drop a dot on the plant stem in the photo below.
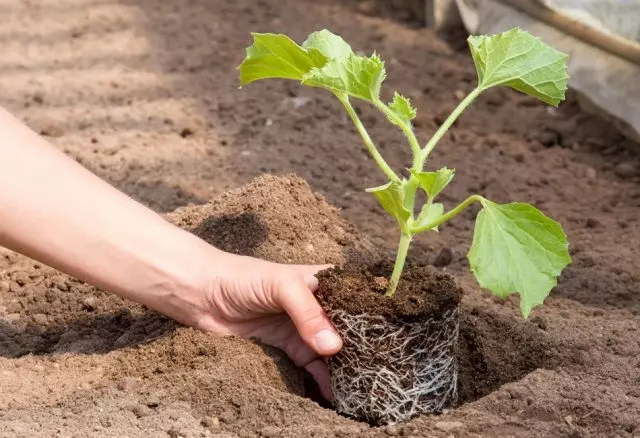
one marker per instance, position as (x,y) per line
(404,126)
(388,171)
(424,154)
(449,215)
(401,257)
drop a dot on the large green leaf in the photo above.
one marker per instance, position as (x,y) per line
(324,60)
(519,60)
(391,197)
(434,182)
(517,249)
(277,56)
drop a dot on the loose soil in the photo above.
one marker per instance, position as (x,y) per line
(145,94)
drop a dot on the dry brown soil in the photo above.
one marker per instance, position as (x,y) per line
(145,93)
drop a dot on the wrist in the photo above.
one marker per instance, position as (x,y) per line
(176,276)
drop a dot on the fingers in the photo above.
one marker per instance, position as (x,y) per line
(320,373)
(312,323)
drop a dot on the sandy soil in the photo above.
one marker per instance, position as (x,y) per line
(145,94)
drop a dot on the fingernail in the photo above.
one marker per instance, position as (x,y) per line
(327,340)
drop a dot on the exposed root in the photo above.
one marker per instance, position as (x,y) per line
(389,372)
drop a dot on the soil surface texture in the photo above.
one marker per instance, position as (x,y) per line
(423,292)
(145,94)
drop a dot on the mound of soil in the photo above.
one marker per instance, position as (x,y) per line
(277,219)
(145,93)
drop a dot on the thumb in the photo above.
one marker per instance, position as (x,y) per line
(296,298)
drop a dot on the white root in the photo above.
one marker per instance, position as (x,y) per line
(389,372)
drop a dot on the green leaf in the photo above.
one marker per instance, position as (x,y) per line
(277,56)
(391,198)
(519,60)
(324,60)
(517,249)
(401,106)
(434,182)
(429,214)
(357,76)
(329,44)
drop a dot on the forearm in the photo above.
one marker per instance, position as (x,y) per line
(54,210)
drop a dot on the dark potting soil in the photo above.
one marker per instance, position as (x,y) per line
(423,292)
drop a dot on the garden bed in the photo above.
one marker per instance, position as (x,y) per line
(145,94)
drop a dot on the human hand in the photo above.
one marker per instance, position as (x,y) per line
(274,303)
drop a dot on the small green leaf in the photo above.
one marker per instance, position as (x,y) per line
(519,60)
(401,106)
(277,56)
(429,214)
(434,182)
(391,198)
(357,76)
(329,44)
(517,249)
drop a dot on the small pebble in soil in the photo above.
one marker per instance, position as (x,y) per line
(592,222)
(548,138)
(587,260)
(14,307)
(186,132)
(448,426)
(153,401)
(444,258)
(52,130)
(392,430)
(89,303)
(228,417)
(127,384)
(491,141)
(347,431)
(271,431)
(141,411)
(40,319)
(211,422)
(176,433)
(540,321)
(625,170)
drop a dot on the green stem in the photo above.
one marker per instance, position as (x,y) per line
(404,126)
(424,154)
(388,171)
(401,257)
(449,215)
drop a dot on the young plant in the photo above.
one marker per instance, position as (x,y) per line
(516,248)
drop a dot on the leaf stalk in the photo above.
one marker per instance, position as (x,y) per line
(382,164)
